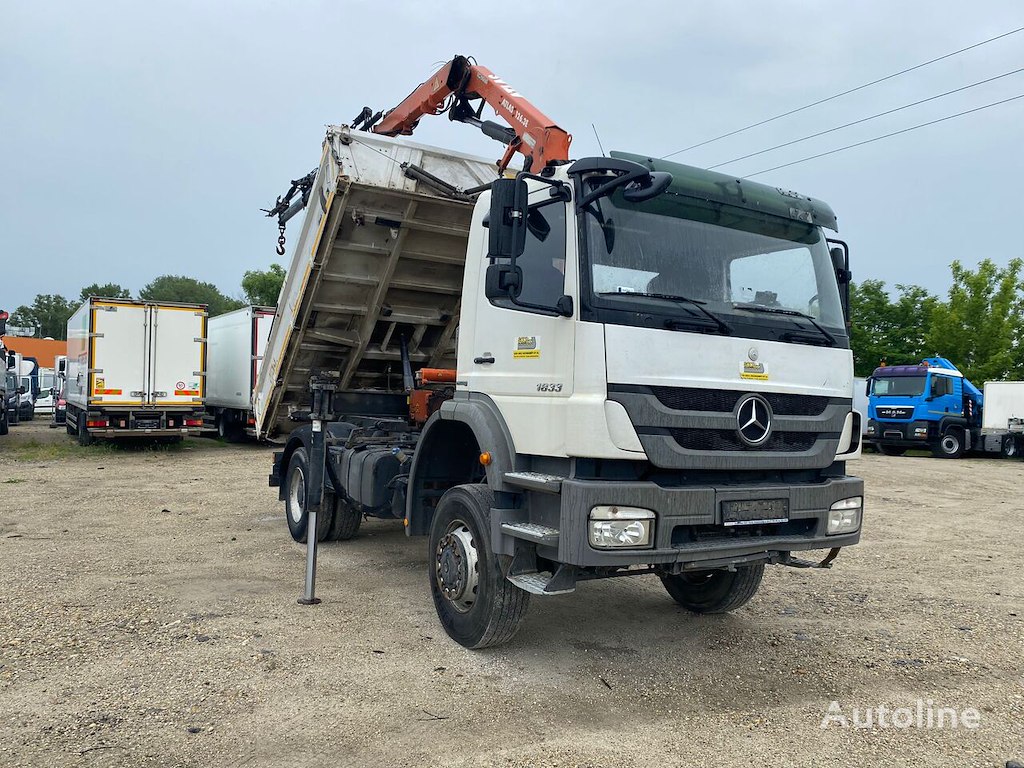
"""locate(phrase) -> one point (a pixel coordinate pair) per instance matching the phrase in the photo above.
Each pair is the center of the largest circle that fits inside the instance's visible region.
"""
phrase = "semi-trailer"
(237, 341)
(135, 369)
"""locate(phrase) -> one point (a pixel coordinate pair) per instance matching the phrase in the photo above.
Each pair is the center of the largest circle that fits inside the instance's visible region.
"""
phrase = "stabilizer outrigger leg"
(323, 388)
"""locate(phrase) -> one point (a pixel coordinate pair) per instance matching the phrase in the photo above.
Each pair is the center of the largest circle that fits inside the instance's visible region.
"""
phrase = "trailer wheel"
(1010, 447)
(478, 607)
(951, 444)
(347, 520)
(891, 450)
(4, 428)
(296, 492)
(715, 591)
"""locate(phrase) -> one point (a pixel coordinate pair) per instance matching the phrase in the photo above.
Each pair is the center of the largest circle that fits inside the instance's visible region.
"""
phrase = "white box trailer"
(136, 368)
(1002, 417)
(237, 342)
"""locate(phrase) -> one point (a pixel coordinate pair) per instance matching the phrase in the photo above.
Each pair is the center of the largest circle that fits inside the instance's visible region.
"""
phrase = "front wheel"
(478, 607)
(951, 445)
(296, 492)
(715, 591)
(891, 450)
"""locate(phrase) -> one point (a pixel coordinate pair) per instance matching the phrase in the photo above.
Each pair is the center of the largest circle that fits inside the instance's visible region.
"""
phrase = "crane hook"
(280, 240)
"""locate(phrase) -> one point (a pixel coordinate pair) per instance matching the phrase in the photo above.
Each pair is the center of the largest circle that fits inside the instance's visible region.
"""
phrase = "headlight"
(617, 527)
(844, 515)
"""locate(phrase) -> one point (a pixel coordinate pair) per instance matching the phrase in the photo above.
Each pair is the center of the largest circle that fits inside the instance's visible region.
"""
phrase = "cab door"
(522, 358)
(945, 395)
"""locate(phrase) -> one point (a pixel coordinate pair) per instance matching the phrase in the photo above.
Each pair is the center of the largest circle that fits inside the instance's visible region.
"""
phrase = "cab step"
(544, 583)
(538, 534)
(535, 481)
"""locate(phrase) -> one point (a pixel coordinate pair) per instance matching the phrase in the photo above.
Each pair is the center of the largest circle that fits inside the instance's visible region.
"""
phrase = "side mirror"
(507, 222)
(841, 264)
(503, 281)
(652, 185)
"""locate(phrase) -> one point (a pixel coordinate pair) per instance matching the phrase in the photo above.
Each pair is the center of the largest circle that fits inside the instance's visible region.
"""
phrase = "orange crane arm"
(453, 89)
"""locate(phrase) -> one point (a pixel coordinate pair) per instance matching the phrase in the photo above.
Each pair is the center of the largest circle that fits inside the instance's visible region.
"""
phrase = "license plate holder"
(755, 511)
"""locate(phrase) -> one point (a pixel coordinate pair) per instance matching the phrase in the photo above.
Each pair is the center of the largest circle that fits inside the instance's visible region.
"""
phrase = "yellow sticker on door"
(527, 348)
(99, 387)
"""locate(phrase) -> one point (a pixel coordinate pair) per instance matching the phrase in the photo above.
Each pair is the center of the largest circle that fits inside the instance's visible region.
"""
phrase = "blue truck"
(928, 406)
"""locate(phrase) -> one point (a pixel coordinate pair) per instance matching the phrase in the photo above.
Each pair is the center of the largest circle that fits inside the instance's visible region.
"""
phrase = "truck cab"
(927, 406)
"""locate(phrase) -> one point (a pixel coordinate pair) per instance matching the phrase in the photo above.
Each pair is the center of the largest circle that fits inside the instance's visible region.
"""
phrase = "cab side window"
(543, 260)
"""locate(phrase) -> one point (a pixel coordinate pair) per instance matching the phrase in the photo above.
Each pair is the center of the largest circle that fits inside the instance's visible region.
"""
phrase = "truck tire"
(951, 444)
(891, 450)
(295, 493)
(1010, 447)
(84, 438)
(4, 428)
(478, 607)
(228, 429)
(715, 591)
(346, 523)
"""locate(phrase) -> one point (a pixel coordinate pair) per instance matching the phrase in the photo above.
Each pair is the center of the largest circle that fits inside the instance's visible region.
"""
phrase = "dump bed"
(379, 257)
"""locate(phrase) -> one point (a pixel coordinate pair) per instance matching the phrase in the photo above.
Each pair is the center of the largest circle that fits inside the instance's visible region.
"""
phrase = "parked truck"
(136, 369)
(1002, 423)
(608, 367)
(237, 341)
(929, 406)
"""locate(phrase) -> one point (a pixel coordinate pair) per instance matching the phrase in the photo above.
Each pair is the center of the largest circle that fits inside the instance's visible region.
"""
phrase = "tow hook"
(796, 562)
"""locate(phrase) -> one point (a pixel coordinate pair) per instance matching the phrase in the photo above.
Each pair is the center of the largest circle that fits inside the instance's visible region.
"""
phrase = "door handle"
(483, 360)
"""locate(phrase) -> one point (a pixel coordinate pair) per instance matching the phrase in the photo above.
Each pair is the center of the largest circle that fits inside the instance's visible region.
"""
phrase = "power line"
(885, 136)
(844, 93)
(866, 119)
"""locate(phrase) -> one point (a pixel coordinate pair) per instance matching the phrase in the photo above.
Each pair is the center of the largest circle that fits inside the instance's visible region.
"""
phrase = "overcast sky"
(141, 138)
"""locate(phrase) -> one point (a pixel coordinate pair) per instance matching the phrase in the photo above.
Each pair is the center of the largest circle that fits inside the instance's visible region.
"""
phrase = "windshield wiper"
(791, 313)
(722, 326)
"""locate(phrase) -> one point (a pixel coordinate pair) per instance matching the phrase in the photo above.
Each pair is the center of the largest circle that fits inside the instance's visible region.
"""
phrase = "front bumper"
(901, 434)
(688, 525)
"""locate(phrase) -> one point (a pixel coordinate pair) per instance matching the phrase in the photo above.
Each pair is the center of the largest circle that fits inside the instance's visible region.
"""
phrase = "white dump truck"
(136, 369)
(1002, 419)
(593, 368)
(237, 341)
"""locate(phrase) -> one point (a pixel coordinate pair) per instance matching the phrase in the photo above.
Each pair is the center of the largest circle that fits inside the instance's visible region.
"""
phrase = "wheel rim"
(221, 428)
(950, 443)
(1010, 447)
(296, 495)
(457, 566)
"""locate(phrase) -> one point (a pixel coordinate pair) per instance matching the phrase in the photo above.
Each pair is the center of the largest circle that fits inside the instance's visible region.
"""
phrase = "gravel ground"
(149, 619)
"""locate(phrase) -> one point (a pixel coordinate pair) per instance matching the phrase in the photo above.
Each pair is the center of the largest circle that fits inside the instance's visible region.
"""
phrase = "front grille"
(729, 440)
(724, 401)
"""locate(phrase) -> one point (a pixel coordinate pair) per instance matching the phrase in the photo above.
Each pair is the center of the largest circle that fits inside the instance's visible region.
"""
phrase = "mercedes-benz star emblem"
(752, 354)
(754, 420)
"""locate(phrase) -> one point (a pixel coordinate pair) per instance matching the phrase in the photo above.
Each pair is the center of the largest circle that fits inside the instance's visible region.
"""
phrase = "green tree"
(190, 291)
(981, 327)
(884, 329)
(105, 291)
(49, 314)
(263, 288)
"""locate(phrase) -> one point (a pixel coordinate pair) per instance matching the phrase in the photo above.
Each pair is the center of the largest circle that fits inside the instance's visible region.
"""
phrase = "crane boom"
(454, 88)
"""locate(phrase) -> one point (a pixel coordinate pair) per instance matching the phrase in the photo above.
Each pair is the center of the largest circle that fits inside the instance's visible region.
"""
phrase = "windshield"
(748, 269)
(897, 386)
